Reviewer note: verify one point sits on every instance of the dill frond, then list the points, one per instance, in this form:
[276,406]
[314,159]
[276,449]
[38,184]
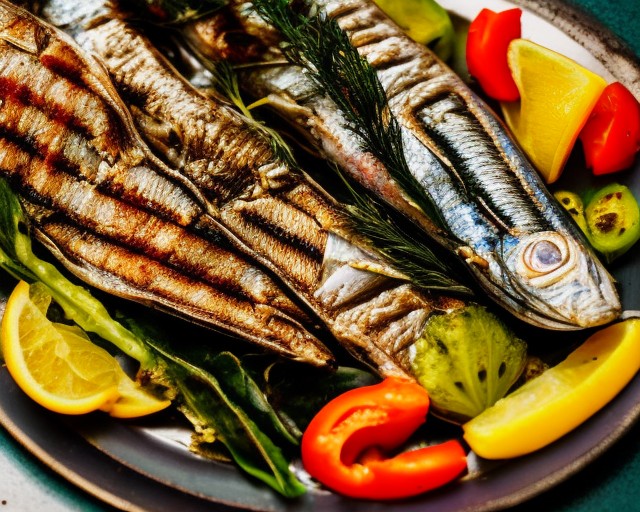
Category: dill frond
[318,44]
[402,247]
[225,81]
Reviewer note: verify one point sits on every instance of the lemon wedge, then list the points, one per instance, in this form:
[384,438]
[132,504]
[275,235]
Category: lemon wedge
[552,404]
[556,98]
[59,367]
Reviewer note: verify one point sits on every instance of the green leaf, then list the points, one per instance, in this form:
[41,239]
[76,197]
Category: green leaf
[220,397]
[299,393]
[232,419]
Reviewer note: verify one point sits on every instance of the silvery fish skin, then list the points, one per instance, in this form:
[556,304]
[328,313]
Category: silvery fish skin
[498,216]
[111,212]
[275,214]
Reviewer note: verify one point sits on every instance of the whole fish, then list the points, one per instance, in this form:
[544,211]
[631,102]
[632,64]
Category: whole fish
[495,213]
[269,211]
[110,211]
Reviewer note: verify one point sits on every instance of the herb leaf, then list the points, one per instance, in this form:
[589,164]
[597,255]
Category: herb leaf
[411,255]
[319,45]
[225,81]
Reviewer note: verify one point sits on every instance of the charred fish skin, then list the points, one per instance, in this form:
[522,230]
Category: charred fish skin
[284,220]
[499,217]
[108,209]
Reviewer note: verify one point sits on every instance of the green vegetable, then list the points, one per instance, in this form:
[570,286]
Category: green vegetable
[228,406]
[467,360]
[613,221]
[424,21]
[572,202]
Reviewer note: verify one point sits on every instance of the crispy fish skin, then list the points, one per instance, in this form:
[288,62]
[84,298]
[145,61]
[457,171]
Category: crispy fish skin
[110,211]
[282,218]
[498,216]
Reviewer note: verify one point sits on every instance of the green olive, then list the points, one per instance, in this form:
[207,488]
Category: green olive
[571,202]
[613,220]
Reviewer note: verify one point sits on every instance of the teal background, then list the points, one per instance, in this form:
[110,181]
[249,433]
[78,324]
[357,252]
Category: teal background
[608,484]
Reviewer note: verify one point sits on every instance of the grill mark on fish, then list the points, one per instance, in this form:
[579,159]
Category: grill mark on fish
[154,282]
[128,252]
[215,141]
[37,134]
[105,229]
[26,77]
[124,225]
[216,151]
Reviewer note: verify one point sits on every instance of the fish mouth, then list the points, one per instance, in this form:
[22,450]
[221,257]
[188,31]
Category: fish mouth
[550,280]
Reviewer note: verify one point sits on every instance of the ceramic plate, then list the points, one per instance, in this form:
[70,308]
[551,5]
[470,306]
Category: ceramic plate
[145,465]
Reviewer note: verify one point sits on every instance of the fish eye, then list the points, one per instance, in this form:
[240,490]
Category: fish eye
[544,256]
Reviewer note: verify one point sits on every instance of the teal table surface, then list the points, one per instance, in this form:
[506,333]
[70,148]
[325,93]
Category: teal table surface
[611,483]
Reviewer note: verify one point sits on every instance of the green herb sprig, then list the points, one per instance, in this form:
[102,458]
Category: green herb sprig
[225,81]
[318,44]
[409,254]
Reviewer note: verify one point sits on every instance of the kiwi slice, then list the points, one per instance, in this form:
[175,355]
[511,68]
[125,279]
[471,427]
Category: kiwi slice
[613,220]
[467,360]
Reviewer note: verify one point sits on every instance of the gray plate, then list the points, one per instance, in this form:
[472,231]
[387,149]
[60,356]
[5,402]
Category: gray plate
[144,465]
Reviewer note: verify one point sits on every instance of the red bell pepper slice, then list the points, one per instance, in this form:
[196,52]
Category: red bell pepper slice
[489,36]
[611,136]
[344,446]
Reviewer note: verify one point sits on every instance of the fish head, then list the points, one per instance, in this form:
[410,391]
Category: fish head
[558,283]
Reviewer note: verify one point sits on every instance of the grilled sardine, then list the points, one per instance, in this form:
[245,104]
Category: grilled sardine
[498,217]
[110,211]
[269,211]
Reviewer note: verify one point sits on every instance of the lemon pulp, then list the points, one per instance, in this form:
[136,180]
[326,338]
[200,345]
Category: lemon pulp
[59,367]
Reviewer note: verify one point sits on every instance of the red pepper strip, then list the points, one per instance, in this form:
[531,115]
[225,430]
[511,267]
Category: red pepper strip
[344,445]
[489,36]
[611,136]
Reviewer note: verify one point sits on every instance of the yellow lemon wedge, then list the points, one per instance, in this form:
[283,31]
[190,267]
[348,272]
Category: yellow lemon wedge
[59,367]
[560,399]
[134,401]
[556,98]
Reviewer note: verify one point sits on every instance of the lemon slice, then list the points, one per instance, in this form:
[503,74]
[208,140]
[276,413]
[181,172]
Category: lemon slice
[564,396]
[556,98]
[134,401]
[59,367]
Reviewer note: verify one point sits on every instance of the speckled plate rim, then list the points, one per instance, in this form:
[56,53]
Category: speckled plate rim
[102,469]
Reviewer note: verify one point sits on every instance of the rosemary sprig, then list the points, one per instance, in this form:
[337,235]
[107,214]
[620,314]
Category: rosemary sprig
[319,45]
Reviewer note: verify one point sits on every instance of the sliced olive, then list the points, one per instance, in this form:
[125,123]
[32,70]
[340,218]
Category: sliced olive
[571,202]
